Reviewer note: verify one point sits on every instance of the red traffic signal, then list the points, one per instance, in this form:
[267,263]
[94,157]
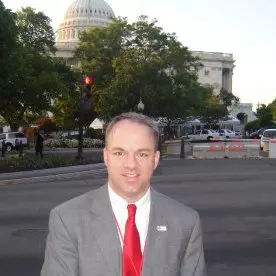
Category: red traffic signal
[88,80]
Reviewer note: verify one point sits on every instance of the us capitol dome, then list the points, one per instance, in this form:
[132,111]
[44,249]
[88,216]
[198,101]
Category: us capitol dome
[80,15]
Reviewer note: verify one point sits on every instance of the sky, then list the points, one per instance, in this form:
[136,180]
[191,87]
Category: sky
[245,28]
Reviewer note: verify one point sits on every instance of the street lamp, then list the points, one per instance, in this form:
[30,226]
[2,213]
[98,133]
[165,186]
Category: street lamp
[140,106]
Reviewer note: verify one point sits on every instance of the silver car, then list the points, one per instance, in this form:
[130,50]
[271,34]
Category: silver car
[267,135]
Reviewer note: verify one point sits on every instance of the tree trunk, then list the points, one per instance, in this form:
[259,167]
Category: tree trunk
[14,127]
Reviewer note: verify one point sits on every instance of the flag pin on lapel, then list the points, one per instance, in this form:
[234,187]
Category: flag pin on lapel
[162,228]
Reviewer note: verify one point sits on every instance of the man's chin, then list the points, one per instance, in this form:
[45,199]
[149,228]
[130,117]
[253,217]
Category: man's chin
[134,193]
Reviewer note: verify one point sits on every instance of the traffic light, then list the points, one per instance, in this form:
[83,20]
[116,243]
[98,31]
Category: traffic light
[87,82]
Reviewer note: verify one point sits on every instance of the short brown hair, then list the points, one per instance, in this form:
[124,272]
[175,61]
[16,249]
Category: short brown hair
[136,118]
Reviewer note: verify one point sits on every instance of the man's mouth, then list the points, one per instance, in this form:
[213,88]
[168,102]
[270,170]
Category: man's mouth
[131,175]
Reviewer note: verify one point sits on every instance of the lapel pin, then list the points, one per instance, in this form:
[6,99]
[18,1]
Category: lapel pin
[162,228]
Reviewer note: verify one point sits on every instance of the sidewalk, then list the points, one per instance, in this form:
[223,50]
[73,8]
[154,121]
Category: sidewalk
[66,150]
[50,174]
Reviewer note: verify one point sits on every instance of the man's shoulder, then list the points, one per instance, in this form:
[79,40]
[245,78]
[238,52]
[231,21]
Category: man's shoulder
[174,209]
[78,204]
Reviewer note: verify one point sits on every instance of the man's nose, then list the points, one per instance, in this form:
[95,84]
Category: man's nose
[131,161]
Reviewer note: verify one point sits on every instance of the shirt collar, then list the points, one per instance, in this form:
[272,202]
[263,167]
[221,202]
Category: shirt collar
[118,201]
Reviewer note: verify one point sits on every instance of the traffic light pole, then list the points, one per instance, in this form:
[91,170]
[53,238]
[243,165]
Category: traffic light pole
[84,105]
[80,125]
[80,145]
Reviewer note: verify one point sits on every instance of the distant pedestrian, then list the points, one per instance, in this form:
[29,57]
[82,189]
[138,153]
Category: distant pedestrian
[39,139]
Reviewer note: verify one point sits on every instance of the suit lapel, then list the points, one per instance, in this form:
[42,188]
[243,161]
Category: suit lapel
[103,225]
[156,239]
[105,230]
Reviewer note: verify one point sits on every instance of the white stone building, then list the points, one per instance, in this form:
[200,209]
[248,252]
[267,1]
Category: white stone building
[217,70]
[244,108]
[80,15]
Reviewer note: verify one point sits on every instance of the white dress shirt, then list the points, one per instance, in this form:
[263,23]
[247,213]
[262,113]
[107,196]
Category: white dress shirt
[119,207]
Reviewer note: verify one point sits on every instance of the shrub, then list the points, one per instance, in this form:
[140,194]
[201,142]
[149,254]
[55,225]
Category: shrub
[93,143]
[73,143]
[30,162]
[95,134]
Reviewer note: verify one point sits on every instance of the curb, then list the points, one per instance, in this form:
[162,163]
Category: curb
[67,149]
[48,178]
[61,173]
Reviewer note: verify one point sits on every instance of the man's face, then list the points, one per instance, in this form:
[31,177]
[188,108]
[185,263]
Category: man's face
[130,158]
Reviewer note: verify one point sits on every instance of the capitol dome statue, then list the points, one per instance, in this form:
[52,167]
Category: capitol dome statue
[80,15]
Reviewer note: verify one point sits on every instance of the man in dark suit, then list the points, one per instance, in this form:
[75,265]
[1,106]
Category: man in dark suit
[125,227]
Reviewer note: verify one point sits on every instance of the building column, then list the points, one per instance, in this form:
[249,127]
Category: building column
[230,78]
[227,79]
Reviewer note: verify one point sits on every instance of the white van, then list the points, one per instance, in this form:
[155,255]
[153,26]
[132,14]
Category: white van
[267,135]
[11,140]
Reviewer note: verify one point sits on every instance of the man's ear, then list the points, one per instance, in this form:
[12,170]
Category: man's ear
[105,156]
[156,158]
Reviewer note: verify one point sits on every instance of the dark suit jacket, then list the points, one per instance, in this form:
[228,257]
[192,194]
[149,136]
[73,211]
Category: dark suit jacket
[83,239]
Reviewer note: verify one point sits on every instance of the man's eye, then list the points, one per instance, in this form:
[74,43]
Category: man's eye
[143,154]
[118,153]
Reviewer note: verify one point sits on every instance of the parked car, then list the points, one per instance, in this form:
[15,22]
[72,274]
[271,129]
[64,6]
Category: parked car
[267,135]
[257,134]
[227,133]
[203,135]
[12,140]
[72,134]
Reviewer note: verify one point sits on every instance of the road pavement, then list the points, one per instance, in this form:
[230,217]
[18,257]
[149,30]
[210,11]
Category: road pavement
[235,198]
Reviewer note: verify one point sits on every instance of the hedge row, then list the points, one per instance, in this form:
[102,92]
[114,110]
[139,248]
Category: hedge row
[73,143]
[14,163]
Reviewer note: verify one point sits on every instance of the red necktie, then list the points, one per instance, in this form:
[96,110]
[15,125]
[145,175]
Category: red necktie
[132,255]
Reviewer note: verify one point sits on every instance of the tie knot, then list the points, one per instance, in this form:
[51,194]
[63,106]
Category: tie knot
[131,210]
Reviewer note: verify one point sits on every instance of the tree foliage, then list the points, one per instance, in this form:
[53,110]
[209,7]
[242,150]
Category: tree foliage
[46,124]
[64,109]
[253,125]
[213,109]
[264,114]
[227,98]
[8,44]
[216,107]
[35,31]
[37,76]
[140,61]
[272,107]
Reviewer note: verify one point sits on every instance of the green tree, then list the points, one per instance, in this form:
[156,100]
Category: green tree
[264,115]
[272,107]
[39,77]
[213,109]
[35,31]
[64,111]
[140,61]
[228,98]
[216,107]
[8,44]
[46,124]
[253,125]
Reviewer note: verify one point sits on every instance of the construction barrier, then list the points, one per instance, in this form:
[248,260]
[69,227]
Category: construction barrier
[272,148]
[239,140]
[225,150]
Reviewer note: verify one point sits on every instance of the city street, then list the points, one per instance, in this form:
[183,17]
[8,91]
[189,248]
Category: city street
[235,198]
